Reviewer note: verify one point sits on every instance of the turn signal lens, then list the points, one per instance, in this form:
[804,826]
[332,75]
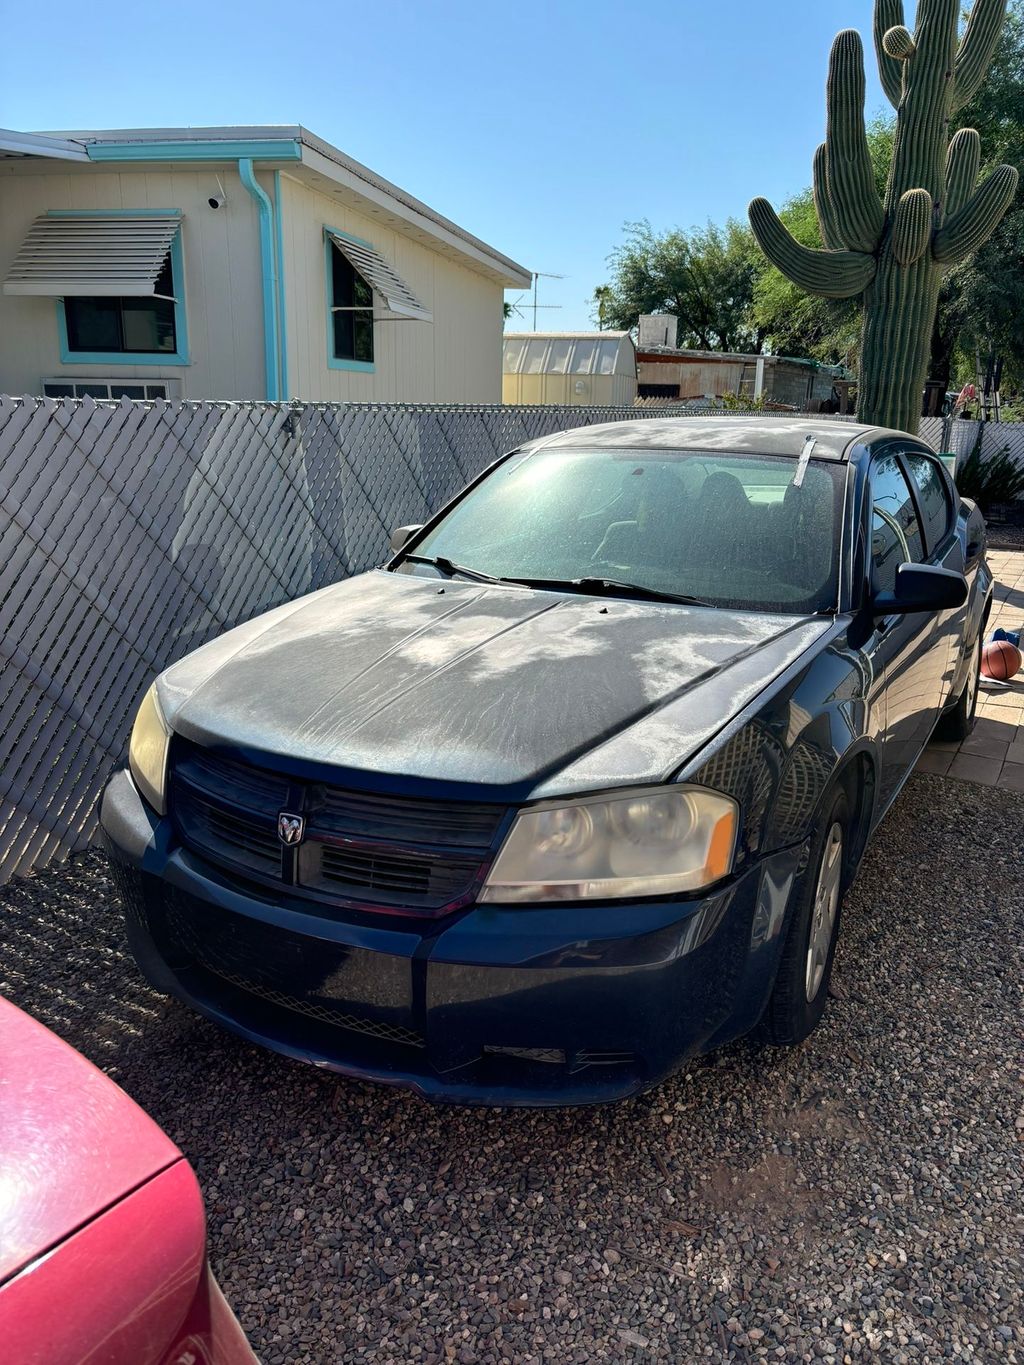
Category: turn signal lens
[647,843]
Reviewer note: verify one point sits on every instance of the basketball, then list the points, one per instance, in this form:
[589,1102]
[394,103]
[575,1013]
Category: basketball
[999,660]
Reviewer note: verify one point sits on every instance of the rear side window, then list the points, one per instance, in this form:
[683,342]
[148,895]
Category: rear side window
[932,497]
[895,530]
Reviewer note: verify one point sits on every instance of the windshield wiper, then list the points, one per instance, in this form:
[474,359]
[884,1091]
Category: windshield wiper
[449,567]
[610,587]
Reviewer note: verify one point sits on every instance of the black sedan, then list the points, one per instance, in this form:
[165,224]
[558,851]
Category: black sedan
[571,789]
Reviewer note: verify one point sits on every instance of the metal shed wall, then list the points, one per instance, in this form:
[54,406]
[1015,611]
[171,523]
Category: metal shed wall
[526,384]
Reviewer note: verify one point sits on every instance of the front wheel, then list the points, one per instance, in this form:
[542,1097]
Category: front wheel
[801,985]
[959,722]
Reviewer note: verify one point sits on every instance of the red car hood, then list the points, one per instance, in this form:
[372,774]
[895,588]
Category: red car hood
[71,1142]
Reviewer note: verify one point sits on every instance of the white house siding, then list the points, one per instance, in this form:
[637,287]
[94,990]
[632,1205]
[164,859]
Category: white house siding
[454,359]
[222,273]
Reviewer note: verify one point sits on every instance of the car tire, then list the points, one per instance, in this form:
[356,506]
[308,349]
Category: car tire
[958,722]
[805,969]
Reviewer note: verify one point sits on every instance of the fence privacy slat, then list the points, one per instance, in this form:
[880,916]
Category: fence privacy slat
[132,532]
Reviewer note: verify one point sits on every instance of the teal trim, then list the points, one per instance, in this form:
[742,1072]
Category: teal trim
[363,366]
[282,317]
[333,363]
[113,213]
[180,356]
[350,237]
[278,149]
[271,347]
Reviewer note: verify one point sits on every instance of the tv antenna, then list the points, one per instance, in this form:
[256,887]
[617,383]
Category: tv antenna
[538,275]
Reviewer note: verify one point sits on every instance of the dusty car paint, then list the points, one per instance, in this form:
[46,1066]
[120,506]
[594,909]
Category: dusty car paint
[386,661]
[417,685]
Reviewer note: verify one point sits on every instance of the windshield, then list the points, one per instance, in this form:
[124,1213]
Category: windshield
[731,530]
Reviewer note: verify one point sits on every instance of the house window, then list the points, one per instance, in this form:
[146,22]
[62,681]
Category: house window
[138,326]
[113,388]
[351,311]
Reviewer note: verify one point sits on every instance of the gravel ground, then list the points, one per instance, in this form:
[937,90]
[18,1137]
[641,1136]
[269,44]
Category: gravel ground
[859,1198]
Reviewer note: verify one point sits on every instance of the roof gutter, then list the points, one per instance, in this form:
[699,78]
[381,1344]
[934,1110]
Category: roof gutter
[282,312]
[268,265]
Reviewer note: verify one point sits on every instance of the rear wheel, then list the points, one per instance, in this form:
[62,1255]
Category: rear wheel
[959,722]
[801,985]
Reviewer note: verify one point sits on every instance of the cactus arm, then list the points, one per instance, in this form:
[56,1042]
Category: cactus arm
[833,274]
[898,43]
[912,226]
[962,165]
[851,180]
[976,49]
[827,222]
[888,14]
[976,221]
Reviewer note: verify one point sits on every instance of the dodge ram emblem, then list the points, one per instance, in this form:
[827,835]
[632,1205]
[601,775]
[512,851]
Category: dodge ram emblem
[290,828]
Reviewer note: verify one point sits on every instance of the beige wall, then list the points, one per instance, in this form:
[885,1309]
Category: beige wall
[454,359]
[222,274]
[602,390]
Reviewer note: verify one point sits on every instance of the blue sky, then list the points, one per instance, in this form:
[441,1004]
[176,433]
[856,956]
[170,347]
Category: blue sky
[540,127]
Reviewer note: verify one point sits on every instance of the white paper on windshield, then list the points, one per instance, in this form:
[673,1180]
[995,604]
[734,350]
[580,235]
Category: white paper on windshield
[801,464]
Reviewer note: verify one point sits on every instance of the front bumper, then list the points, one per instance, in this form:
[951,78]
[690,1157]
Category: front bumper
[495,1005]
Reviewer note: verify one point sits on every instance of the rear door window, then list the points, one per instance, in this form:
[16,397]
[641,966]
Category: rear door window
[932,497]
[895,530]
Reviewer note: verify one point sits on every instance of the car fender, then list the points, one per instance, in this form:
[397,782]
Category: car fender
[780,756]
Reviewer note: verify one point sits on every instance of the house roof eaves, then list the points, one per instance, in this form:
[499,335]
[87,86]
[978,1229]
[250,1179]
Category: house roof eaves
[293,143]
[16,144]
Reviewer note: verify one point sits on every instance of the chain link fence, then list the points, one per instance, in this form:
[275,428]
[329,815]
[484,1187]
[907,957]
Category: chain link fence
[132,532]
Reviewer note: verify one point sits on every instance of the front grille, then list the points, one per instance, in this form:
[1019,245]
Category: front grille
[400,820]
[392,852]
[235,835]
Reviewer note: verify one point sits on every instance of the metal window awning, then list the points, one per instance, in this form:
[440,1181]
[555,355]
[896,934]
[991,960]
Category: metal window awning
[92,257]
[382,278]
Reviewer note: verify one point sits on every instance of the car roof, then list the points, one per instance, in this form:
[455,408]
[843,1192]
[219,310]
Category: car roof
[739,435]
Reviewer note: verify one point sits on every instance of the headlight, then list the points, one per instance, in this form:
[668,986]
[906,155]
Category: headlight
[147,752]
[647,843]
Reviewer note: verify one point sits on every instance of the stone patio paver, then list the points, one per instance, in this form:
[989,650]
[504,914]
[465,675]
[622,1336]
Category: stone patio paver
[994,753]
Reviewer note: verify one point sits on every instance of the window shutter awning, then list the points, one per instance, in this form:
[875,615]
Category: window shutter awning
[382,278]
[98,256]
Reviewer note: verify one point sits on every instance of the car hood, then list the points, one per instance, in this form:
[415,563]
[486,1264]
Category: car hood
[71,1142]
[466,685]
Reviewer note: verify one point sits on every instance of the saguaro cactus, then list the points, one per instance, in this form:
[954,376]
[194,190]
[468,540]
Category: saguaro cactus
[895,251]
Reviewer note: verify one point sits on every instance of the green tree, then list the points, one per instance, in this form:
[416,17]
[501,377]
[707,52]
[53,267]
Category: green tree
[602,298]
[704,276]
[982,301]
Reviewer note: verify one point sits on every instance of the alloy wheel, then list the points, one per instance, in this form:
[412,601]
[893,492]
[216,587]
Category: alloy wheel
[824,910]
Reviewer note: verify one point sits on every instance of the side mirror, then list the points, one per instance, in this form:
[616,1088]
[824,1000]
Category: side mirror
[401,536]
[921,587]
